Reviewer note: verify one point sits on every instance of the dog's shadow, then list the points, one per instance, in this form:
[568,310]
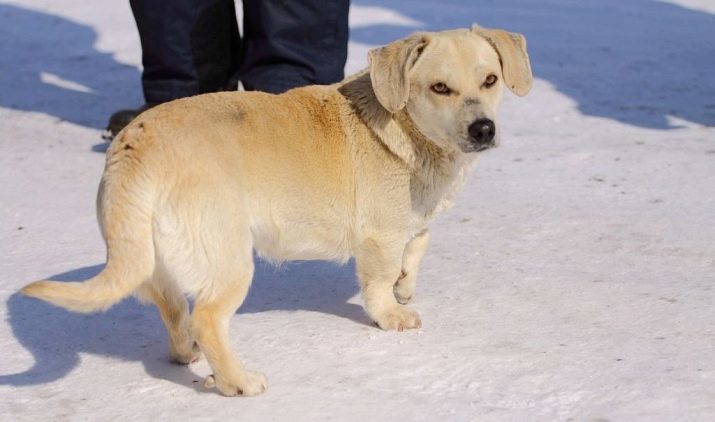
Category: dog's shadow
[134,332]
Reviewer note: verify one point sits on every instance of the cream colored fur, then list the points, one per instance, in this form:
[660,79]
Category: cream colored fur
[357,169]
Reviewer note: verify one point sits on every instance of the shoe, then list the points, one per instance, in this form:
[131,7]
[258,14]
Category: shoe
[120,119]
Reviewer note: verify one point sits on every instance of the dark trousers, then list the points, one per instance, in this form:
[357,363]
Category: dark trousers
[193,46]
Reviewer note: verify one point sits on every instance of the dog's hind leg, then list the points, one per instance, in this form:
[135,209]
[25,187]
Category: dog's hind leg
[219,278]
[210,322]
[414,251]
[378,264]
[174,311]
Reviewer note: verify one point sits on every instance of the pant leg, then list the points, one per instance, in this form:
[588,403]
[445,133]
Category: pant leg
[289,43]
[188,47]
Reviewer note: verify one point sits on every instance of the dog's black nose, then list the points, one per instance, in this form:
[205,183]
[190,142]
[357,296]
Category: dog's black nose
[482,133]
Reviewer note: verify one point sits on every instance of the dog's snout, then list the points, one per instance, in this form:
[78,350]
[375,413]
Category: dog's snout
[482,132]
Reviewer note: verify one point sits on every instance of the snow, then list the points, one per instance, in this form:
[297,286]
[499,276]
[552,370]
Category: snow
[573,280]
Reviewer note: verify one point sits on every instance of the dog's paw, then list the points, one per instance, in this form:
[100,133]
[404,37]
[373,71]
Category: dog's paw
[398,318]
[403,293]
[250,384]
[403,298]
[404,289]
[186,356]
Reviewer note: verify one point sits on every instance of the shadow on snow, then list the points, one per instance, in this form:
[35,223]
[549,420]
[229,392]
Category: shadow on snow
[636,62]
[130,331]
[40,53]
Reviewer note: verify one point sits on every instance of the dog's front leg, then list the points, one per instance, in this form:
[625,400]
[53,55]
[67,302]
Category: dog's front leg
[414,251]
[379,263]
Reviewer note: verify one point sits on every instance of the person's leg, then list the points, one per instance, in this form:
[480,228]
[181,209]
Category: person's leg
[189,47]
[290,43]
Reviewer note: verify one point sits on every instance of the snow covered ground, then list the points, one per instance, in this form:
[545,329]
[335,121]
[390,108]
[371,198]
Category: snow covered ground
[574,279]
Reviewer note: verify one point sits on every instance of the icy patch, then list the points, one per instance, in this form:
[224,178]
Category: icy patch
[357,57]
[679,122]
[707,6]
[52,79]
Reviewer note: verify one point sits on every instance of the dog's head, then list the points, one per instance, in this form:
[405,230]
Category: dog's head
[450,83]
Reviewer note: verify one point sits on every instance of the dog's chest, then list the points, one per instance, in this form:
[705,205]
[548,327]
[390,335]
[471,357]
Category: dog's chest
[433,188]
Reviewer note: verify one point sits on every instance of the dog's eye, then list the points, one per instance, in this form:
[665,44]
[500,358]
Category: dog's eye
[490,81]
[441,88]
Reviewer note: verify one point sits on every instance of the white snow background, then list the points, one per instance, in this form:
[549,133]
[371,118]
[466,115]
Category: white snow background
[573,280]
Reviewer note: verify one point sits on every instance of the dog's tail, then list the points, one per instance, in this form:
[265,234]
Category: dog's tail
[96,294]
[124,209]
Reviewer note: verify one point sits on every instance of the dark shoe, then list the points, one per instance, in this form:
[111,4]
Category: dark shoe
[120,119]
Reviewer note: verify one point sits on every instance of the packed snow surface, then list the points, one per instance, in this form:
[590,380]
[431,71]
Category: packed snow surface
[573,280]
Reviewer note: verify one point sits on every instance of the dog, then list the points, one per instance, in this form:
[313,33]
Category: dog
[358,169]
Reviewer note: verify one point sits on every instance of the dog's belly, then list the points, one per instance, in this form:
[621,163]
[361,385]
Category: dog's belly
[291,241]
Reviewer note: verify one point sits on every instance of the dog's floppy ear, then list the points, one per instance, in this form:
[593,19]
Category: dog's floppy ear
[511,48]
[390,67]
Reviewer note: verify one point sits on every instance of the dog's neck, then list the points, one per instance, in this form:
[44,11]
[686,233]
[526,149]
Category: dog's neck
[436,173]
[397,131]
[358,91]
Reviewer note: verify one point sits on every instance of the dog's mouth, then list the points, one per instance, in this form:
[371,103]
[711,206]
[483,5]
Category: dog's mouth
[470,147]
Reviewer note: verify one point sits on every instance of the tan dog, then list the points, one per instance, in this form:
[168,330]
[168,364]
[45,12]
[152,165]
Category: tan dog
[355,169]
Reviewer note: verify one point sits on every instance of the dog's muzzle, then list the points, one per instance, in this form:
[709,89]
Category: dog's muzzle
[481,134]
